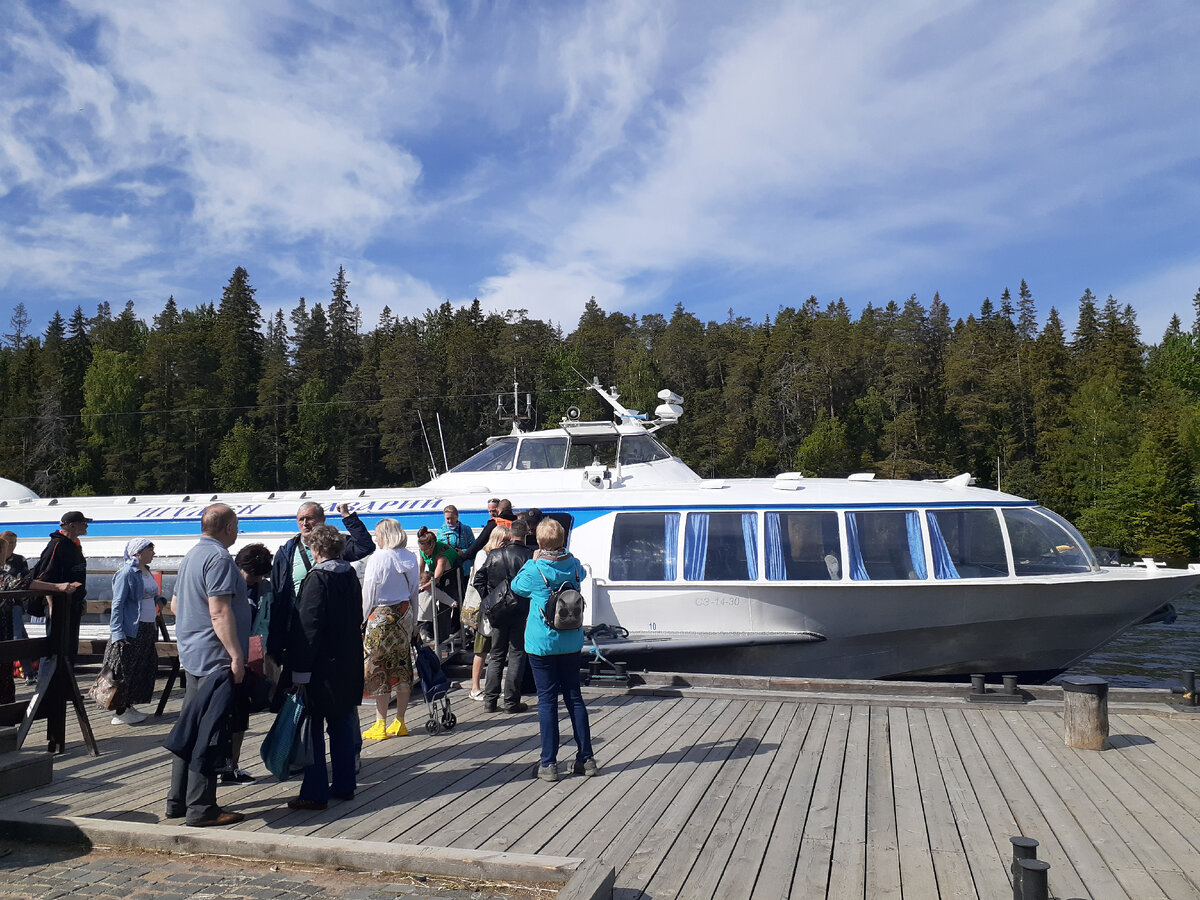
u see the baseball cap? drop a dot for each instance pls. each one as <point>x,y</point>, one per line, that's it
<point>73,517</point>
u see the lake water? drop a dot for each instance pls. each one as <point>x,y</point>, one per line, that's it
<point>1150,656</point>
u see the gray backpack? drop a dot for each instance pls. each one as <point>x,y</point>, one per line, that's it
<point>564,607</point>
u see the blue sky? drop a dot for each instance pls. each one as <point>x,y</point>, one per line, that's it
<point>535,154</point>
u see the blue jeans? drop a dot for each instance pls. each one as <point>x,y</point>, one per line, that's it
<point>554,675</point>
<point>343,747</point>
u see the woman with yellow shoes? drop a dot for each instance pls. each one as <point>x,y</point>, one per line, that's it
<point>389,611</point>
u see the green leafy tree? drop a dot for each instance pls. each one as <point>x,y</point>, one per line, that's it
<point>238,464</point>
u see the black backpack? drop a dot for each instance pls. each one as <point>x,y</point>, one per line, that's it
<point>564,607</point>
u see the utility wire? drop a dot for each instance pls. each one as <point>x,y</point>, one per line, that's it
<point>266,406</point>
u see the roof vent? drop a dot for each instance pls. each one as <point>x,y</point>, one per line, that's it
<point>861,476</point>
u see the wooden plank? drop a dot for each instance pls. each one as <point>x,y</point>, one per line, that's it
<point>636,784</point>
<point>882,848</point>
<point>989,872</point>
<point>945,843</point>
<point>1090,810</point>
<point>777,871</point>
<point>437,771</point>
<point>639,850</point>
<point>768,813</point>
<point>1097,877</point>
<point>997,821</point>
<point>916,858</point>
<point>621,774</point>
<point>1031,821</point>
<point>1156,843</point>
<point>737,826</point>
<point>847,870</point>
<point>811,875</point>
<point>1171,760</point>
<point>474,818</point>
<point>698,823</point>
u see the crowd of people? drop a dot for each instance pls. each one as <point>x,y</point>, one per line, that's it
<point>253,629</point>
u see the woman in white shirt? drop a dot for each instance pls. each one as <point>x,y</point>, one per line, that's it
<point>389,609</point>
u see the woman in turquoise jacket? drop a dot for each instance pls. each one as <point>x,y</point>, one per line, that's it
<point>554,655</point>
<point>130,653</point>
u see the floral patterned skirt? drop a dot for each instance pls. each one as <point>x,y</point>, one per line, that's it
<point>388,648</point>
<point>135,663</point>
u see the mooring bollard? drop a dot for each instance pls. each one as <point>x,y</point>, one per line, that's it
<point>1022,848</point>
<point>1010,684</point>
<point>1085,712</point>
<point>1035,879</point>
<point>978,684</point>
<point>1189,688</point>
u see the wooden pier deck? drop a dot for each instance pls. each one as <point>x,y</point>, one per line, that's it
<point>737,794</point>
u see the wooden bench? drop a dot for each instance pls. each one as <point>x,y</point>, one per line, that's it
<point>166,650</point>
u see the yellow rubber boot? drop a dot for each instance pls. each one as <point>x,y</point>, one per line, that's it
<point>377,732</point>
<point>397,729</point>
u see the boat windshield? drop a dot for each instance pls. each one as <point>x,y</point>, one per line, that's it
<point>641,448</point>
<point>592,448</point>
<point>1044,543</point>
<point>495,457</point>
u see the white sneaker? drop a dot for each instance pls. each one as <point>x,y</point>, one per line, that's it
<point>476,695</point>
<point>130,717</point>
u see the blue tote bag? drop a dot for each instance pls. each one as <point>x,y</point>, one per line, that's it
<point>287,749</point>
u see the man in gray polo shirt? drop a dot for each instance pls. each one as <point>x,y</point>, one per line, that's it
<point>212,628</point>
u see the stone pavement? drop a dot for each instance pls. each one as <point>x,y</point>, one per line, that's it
<point>47,872</point>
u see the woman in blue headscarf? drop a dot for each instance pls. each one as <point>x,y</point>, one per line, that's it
<point>130,653</point>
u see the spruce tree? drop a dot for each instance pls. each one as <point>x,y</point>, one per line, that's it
<point>237,340</point>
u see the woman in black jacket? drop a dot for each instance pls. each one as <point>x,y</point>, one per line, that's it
<point>508,638</point>
<point>325,656</point>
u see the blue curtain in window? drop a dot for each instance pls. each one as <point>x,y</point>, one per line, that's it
<point>670,545</point>
<point>750,536</point>
<point>916,550</point>
<point>858,571</point>
<point>943,565</point>
<point>695,548</point>
<point>776,567</point>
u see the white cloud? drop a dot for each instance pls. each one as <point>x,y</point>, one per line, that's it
<point>552,293</point>
<point>545,153</point>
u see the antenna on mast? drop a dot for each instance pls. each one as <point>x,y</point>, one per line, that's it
<point>442,438</point>
<point>516,418</point>
<point>433,473</point>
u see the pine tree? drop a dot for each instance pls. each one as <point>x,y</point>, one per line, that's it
<point>238,340</point>
<point>19,323</point>
<point>1027,318</point>
<point>275,399</point>
<point>344,344</point>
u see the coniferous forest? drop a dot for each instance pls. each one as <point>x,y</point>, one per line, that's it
<point>1095,424</point>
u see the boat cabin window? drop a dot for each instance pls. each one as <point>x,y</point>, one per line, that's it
<point>645,547</point>
<point>721,547</point>
<point>1044,543</point>
<point>803,546</point>
<point>542,453</point>
<point>495,457</point>
<point>885,545</point>
<point>587,449</point>
<point>641,448</point>
<point>966,543</point>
